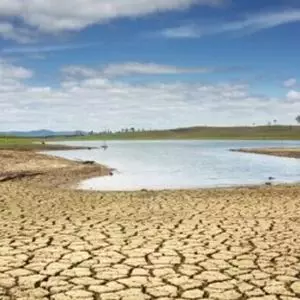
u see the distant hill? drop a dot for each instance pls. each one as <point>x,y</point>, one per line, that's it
<point>41,133</point>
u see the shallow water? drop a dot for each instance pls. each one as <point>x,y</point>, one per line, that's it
<point>184,164</point>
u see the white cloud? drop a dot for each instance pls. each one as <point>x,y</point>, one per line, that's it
<point>96,102</point>
<point>80,71</point>
<point>149,68</point>
<point>43,49</point>
<point>185,31</point>
<point>293,96</point>
<point>290,82</point>
<point>12,72</point>
<point>21,35</point>
<point>138,68</point>
<point>10,7</point>
<point>247,25</point>
<point>132,68</point>
<point>11,78</point>
<point>69,15</point>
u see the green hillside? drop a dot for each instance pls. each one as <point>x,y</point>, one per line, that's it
<point>205,133</point>
<point>248,133</point>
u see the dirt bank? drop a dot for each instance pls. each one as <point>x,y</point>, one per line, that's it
<point>46,170</point>
<point>284,152</point>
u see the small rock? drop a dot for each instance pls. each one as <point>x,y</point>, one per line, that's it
<point>88,162</point>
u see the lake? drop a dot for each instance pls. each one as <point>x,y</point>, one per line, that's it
<point>184,164</point>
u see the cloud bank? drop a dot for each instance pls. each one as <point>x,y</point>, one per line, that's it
<point>136,68</point>
<point>73,15</point>
<point>94,101</point>
<point>248,25</point>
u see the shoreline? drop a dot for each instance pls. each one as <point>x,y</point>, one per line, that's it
<point>257,186</point>
<point>46,170</point>
<point>40,169</point>
<point>280,152</point>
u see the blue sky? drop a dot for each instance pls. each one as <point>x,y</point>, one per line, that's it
<point>98,64</point>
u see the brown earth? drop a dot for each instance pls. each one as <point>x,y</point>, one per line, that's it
<point>284,152</point>
<point>62,244</point>
<point>46,170</point>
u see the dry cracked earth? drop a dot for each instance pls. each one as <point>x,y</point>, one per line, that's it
<point>212,244</point>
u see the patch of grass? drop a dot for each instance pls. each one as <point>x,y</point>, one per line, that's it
<point>17,143</point>
<point>30,144</point>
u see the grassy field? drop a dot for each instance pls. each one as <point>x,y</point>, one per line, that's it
<point>29,144</point>
<point>246,133</point>
<point>18,143</point>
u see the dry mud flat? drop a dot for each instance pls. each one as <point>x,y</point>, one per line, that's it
<point>283,152</point>
<point>208,244</point>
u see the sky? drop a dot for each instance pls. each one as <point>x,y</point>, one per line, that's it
<point>112,64</point>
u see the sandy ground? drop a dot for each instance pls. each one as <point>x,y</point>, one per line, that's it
<point>52,171</point>
<point>208,244</point>
<point>284,152</point>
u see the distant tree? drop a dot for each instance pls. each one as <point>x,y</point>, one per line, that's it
<point>274,121</point>
<point>132,129</point>
<point>298,119</point>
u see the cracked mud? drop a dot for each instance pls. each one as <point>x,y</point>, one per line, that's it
<point>230,244</point>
